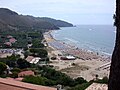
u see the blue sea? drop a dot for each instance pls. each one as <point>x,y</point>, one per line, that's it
<point>97,38</point>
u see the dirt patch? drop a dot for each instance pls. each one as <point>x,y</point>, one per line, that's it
<point>75,70</point>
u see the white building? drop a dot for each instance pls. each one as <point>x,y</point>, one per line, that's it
<point>33,60</point>
<point>68,57</point>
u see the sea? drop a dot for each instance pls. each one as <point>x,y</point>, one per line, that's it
<point>96,38</point>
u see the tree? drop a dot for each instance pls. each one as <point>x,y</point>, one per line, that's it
<point>36,43</point>
<point>114,78</point>
<point>22,63</point>
<point>80,80</point>
<point>3,67</point>
<point>38,80</point>
<point>96,76</point>
<point>11,60</point>
<point>34,80</point>
<point>39,52</point>
<point>105,80</point>
<point>16,70</point>
<point>57,76</point>
<point>14,75</point>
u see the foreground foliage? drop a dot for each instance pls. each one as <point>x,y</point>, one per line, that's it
<point>3,67</point>
<point>52,77</point>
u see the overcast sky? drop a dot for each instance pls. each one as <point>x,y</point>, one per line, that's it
<point>74,11</point>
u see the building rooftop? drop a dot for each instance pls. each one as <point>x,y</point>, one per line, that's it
<point>26,73</point>
<point>12,40</point>
<point>29,58</point>
<point>32,59</point>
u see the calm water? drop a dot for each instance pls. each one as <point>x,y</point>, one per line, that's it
<point>98,38</point>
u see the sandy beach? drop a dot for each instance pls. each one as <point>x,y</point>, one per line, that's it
<point>87,64</point>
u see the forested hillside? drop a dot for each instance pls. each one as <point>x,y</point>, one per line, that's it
<point>10,20</point>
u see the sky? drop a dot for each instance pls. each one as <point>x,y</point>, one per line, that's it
<point>74,11</point>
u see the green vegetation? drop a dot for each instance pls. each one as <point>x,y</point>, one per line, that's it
<point>80,80</point>
<point>21,63</point>
<point>37,44</point>
<point>28,30</point>
<point>104,80</point>
<point>39,52</point>
<point>10,60</point>
<point>84,84</point>
<point>14,75</point>
<point>38,80</point>
<point>45,75</point>
<point>16,70</point>
<point>10,20</point>
<point>52,77</point>
<point>3,67</point>
<point>57,23</point>
<point>23,39</point>
<point>15,61</point>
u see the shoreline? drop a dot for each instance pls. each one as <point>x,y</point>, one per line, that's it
<point>95,50</point>
<point>87,64</point>
<point>75,50</point>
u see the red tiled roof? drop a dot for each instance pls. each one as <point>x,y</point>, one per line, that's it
<point>8,43</point>
<point>17,79</point>
<point>9,87</point>
<point>6,84</point>
<point>12,40</point>
<point>26,73</point>
<point>29,58</point>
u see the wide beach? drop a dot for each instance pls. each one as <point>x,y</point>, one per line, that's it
<point>87,64</point>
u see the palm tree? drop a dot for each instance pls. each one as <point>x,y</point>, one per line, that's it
<point>114,79</point>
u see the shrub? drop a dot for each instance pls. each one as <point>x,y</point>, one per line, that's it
<point>14,75</point>
<point>102,81</point>
<point>53,58</point>
<point>16,70</point>
<point>38,80</point>
<point>80,80</point>
<point>3,67</point>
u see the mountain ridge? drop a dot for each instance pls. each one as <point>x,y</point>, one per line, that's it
<point>9,18</point>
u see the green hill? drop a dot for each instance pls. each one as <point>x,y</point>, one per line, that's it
<point>10,20</point>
